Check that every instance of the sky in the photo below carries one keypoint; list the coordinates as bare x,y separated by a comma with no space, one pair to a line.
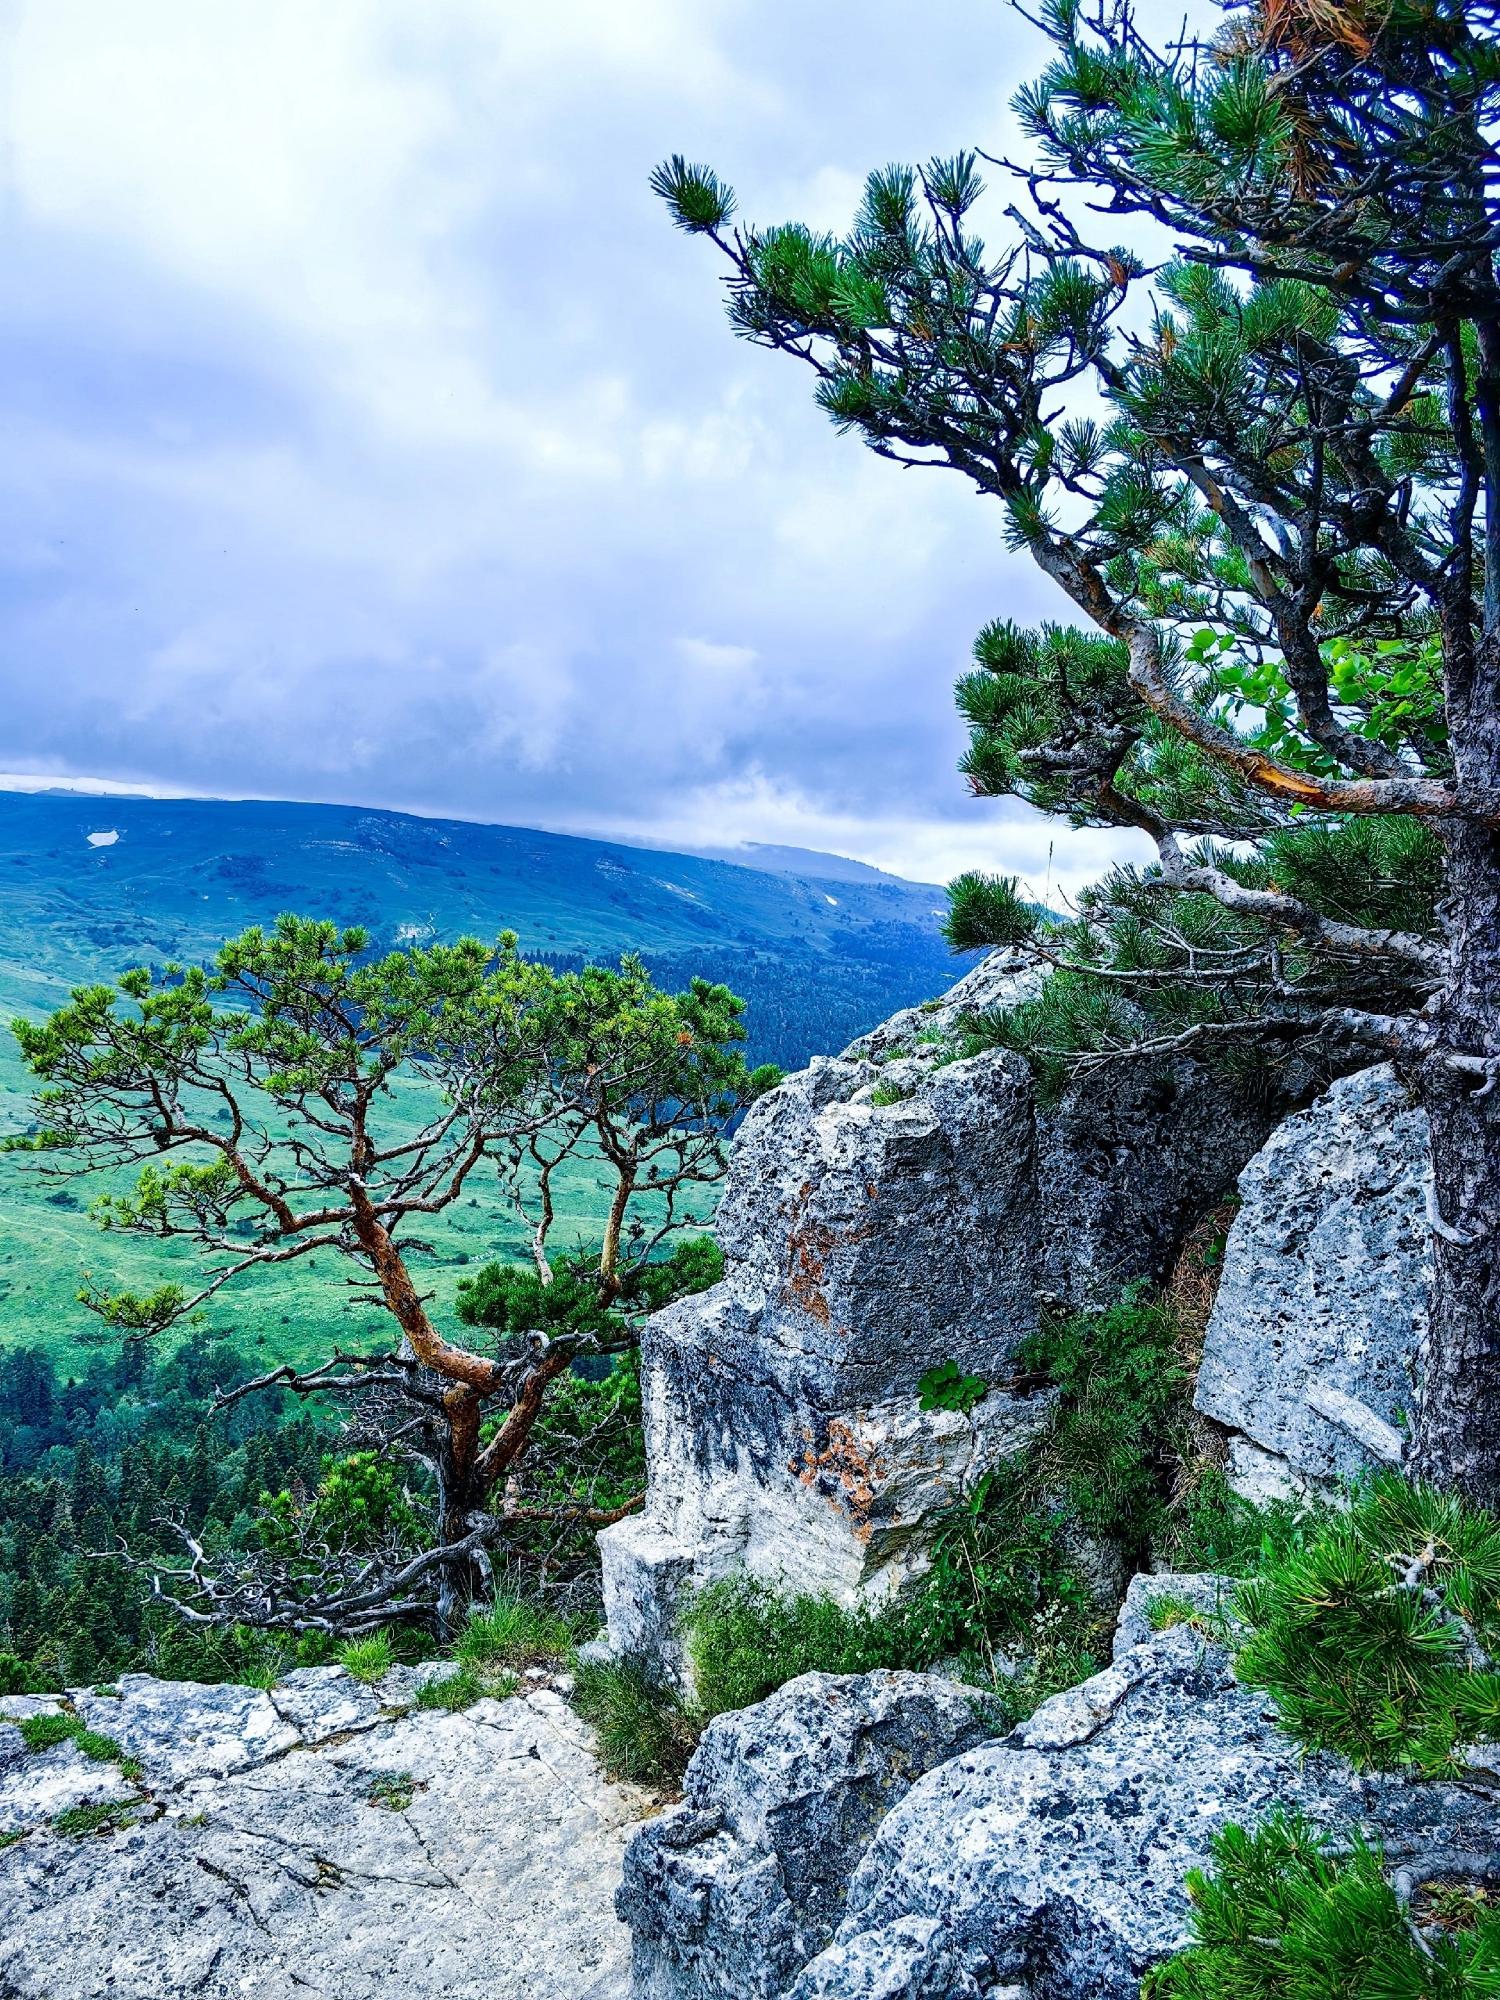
371,437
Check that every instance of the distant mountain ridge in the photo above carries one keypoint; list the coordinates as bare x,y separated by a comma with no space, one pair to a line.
92,884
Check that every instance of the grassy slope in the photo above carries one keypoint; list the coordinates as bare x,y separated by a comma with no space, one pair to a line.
818,959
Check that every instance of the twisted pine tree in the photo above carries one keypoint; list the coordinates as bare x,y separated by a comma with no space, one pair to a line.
1257,448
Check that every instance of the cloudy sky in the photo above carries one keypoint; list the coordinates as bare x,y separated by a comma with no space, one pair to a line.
370,435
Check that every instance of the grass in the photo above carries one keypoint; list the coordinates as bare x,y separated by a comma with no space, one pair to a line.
108,1817
885,1094
499,1642
1166,1611
646,1734
744,1640
368,1660
511,1634
462,1690
45,1732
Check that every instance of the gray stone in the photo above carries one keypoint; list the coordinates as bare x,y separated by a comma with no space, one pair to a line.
185,1729
1208,1595
730,1893
1311,1353
1046,1866
865,1244
1000,979
428,1854
1127,1162
36,1785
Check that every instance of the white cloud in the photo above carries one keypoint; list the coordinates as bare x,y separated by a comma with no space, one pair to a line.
371,435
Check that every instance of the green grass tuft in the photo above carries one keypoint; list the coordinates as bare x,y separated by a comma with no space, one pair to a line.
369,1659
510,1634
108,1817
646,1734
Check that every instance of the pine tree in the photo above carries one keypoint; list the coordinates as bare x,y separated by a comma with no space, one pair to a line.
297,1039
1257,448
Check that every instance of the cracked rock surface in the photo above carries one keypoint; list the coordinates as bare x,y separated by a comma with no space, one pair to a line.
1318,1328
320,1838
1046,1865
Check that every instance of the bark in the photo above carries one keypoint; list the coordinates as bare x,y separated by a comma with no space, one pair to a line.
462,1499
1457,1439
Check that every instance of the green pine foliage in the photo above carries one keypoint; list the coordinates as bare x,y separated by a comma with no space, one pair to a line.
1285,1914
1376,1636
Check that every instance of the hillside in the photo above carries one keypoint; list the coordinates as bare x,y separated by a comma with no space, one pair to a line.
94,885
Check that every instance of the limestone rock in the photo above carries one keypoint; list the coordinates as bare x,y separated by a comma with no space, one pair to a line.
422,1854
1208,1596
865,1242
1316,1335
730,1893
1055,1863
1128,1160
1000,979
1046,1866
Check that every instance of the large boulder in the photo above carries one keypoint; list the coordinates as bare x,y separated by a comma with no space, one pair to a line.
1048,1865
729,1894
1128,1159
901,1206
878,1220
1312,1351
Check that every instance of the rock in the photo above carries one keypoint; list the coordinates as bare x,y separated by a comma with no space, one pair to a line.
1315,1338
1207,1595
1046,1866
426,1854
865,1244
1128,1160
37,1785
184,1729
730,1893
1000,979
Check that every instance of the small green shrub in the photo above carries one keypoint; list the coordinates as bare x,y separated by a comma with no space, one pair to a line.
393,1791
1283,1917
1375,1635
947,1387
18,1677
744,1640
645,1734
369,1659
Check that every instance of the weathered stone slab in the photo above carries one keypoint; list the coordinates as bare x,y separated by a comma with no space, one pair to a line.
1317,1331
432,1854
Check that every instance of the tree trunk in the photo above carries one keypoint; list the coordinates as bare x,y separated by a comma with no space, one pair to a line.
461,1500
1457,1441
